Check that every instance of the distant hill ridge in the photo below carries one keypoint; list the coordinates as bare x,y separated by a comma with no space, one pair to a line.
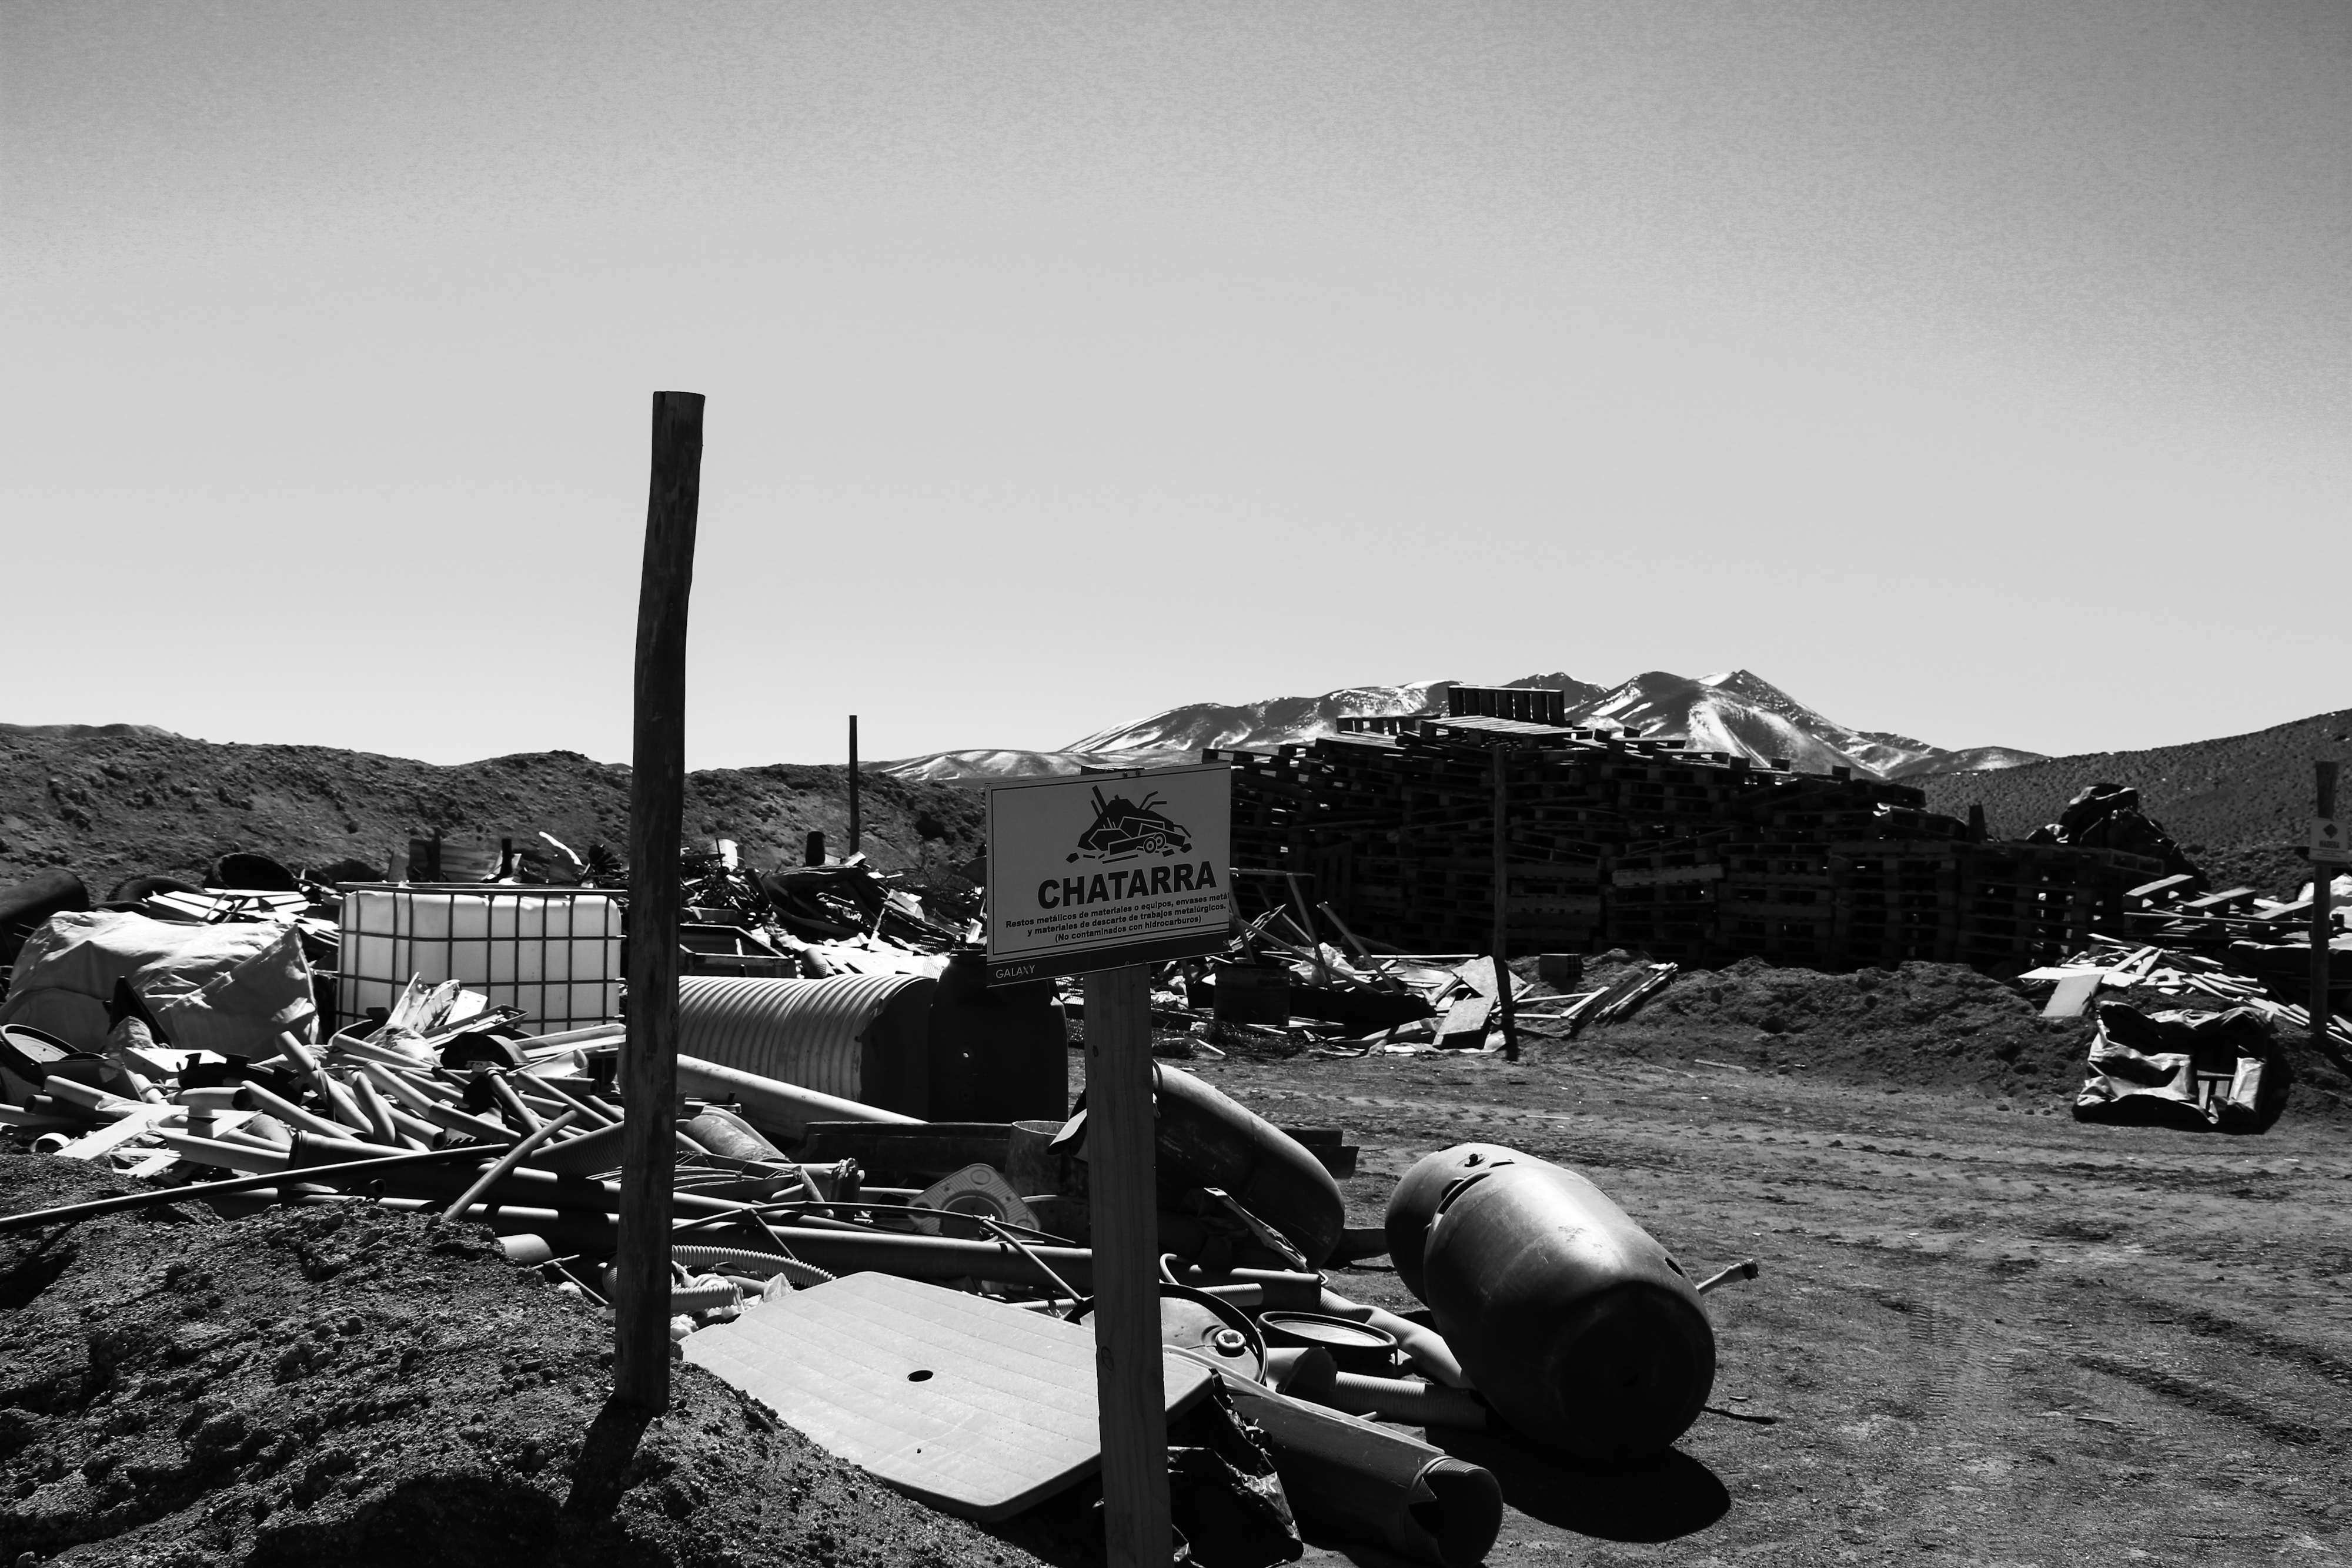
2239,806
1736,711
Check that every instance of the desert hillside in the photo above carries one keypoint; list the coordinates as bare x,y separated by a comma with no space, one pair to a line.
122,801
2240,805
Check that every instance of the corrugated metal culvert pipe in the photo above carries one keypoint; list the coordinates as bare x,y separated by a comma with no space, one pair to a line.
862,1037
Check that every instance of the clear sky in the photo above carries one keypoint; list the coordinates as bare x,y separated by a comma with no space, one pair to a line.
1979,371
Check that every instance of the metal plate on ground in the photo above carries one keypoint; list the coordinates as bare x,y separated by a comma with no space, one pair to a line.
975,1407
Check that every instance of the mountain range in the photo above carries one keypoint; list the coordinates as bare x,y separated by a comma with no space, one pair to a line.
1736,712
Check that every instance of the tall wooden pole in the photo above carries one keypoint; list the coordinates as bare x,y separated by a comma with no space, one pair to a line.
2323,926
657,804
1124,1207
1505,1015
857,841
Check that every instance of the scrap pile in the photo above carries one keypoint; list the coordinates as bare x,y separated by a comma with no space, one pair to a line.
2182,1039
1615,840
828,1252
820,1242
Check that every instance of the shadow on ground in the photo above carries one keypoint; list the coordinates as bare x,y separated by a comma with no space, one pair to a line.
1662,1499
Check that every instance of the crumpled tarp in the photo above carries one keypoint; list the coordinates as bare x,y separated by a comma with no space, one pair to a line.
230,988
2184,1068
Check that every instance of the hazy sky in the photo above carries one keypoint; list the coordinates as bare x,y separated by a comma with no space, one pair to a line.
1978,370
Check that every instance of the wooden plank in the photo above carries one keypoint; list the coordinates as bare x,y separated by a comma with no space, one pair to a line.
1467,1016
975,1407
2073,994
2322,894
1123,1190
1501,876
656,803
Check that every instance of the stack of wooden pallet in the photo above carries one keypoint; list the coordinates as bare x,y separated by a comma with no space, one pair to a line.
1696,856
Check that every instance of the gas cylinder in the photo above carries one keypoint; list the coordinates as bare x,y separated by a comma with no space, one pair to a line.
1573,1321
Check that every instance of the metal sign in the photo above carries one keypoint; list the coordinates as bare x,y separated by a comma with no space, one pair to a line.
1107,869
2330,844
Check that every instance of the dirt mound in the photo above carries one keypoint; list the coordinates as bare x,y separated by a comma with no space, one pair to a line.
355,1387
1920,1026
125,801
2238,805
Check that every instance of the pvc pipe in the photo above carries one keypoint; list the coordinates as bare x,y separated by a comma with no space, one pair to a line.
377,1110
60,1087
587,1105
769,1103
77,1211
1396,1399
286,1110
507,1161
578,1036
510,1103
1425,1348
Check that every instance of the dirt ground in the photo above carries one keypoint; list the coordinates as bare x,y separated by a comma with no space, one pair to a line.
354,1386
1983,1334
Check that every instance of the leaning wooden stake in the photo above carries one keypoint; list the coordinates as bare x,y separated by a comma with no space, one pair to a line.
1125,1211
1505,1015
2323,928
656,803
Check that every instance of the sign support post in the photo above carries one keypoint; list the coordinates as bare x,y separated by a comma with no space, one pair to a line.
1506,1017
2323,896
1105,875
656,803
1124,1208
856,827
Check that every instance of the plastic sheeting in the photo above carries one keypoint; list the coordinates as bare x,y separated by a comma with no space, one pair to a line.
228,988
2195,1070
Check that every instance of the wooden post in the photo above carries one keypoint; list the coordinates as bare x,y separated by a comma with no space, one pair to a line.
857,840
1505,1012
657,804
2323,926
1125,1206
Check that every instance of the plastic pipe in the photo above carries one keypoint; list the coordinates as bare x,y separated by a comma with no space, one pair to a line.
79,1211
1396,1399
759,1264
1353,1480
587,1105
293,1116
507,1161
1425,1348
772,1104
521,1115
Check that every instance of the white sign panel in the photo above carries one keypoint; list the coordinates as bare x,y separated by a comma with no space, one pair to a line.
2330,844
1107,869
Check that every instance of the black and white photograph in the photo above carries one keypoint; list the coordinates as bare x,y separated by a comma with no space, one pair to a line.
994,783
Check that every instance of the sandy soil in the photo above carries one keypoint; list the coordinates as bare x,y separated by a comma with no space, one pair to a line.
1983,1334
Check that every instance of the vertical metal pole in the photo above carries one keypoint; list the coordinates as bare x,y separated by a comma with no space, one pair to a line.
656,803
857,841
1125,1206
1505,1011
2323,926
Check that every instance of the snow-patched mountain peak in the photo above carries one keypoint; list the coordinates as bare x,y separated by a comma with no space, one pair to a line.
1734,711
